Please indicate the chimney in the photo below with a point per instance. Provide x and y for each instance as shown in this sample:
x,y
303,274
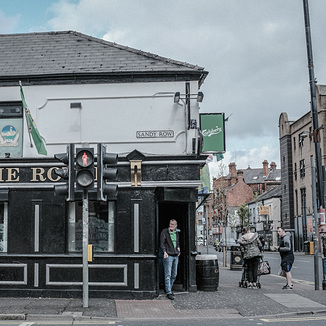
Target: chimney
x,y
265,168
233,172
273,166
240,176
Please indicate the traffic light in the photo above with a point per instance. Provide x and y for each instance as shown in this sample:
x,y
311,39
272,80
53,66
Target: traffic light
x,y
84,168
66,173
106,191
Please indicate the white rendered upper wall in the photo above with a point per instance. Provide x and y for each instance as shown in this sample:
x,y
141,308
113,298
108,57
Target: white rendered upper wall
x,y
124,116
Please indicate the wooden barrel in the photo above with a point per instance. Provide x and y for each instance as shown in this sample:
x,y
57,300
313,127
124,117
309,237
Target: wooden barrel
x,y
207,272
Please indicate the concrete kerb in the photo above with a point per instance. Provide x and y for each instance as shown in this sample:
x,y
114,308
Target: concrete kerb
x,y
83,317
12,317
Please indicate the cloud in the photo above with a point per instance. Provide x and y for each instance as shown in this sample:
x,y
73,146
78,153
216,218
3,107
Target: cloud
x,y
7,24
255,53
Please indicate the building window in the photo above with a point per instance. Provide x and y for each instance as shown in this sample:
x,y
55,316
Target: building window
x,y
295,171
294,143
301,139
302,169
303,201
3,227
100,226
310,133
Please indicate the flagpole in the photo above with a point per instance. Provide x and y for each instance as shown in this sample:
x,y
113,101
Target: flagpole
x,y
32,129
29,129
27,122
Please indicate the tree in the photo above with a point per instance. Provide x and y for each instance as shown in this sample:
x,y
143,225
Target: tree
x,y
244,215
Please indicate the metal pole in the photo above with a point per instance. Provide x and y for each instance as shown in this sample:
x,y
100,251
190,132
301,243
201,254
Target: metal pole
x,y
207,231
315,229
314,105
224,251
188,104
85,249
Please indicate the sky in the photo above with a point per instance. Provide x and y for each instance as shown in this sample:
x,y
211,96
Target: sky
x,y
254,50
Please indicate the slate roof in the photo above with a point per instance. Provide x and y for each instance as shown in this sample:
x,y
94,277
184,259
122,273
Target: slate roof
x,y
255,176
61,54
272,193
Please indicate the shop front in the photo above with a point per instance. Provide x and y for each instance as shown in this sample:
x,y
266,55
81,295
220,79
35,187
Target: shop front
x,y
41,233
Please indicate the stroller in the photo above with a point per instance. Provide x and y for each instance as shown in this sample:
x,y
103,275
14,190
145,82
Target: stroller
x,y
263,269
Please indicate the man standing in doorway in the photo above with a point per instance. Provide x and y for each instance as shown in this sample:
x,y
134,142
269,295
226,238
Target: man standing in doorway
x,y
287,257
170,246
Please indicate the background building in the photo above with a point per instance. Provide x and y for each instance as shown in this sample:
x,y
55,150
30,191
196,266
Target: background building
x,y
296,149
265,216
237,188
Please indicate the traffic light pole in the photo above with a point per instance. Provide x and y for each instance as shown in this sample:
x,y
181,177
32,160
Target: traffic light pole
x,y
314,111
315,225
85,249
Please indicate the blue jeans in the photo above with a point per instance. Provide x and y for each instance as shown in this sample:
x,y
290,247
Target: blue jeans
x,y
170,272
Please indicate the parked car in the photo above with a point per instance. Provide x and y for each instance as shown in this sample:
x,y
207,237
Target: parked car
x,y
200,240
229,243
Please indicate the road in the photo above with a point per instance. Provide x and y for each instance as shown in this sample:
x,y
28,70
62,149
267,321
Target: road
x,y
302,270
319,320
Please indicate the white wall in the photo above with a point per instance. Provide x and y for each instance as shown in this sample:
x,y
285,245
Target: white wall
x,y
111,114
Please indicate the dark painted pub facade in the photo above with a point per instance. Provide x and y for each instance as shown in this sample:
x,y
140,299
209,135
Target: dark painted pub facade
x,y
41,232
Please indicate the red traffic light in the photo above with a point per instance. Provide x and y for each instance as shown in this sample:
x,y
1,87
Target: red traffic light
x,y
84,158
85,168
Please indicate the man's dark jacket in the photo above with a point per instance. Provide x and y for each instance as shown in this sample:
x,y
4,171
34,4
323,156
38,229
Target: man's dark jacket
x,y
167,244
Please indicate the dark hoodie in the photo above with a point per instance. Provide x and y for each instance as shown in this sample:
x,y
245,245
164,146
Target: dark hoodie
x,y
285,248
250,245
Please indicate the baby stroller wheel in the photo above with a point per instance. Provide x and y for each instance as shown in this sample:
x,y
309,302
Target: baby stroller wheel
x,y
258,285
245,285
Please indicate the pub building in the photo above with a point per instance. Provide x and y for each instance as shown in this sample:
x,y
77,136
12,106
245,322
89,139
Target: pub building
x,y
84,91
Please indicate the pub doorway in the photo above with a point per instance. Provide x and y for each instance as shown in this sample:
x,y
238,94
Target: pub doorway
x,y
178,211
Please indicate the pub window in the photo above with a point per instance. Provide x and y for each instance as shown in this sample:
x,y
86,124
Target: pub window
x,y
100,226
302,169
3,226
11,129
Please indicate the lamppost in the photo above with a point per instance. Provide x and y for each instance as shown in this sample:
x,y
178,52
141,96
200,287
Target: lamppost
x,y
316,136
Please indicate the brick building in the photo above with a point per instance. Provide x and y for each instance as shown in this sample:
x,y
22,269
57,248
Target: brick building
x,y
237,188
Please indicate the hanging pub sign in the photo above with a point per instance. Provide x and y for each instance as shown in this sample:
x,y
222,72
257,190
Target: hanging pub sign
x,y
263,210
213,132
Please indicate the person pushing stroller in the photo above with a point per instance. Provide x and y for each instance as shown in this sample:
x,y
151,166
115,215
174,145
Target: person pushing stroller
x,y
251,249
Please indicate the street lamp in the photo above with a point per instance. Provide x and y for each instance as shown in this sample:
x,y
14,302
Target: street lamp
x,y
199,97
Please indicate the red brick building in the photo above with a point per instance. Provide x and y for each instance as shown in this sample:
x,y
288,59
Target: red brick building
x,y
237,188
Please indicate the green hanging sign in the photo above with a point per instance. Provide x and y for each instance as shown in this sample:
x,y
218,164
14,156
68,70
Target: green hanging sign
x,y
213,131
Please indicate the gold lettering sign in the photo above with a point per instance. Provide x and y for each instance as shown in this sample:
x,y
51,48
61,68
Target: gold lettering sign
x,y
31,174
38,174
13,175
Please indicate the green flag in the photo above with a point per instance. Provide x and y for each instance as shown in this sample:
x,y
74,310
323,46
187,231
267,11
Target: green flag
x,y
32,129
219,157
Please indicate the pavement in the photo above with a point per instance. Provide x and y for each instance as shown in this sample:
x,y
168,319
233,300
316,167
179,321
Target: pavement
x,y
229,301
